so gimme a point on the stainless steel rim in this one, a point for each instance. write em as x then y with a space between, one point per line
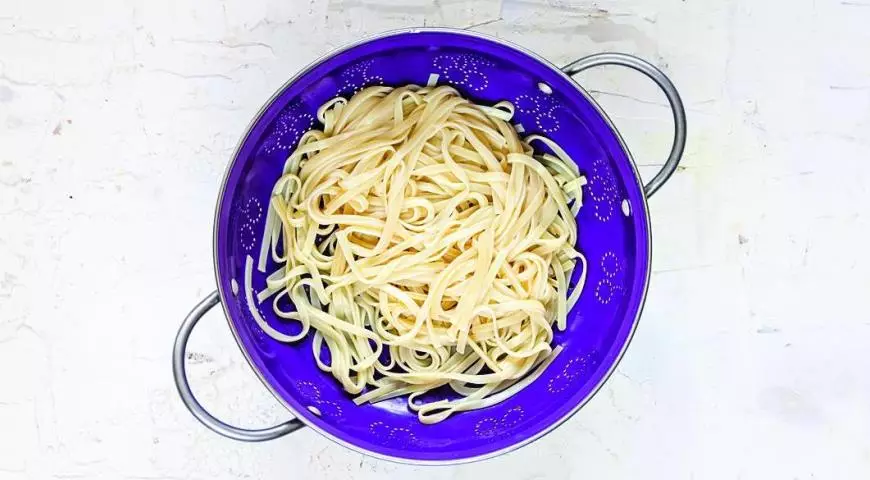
356 448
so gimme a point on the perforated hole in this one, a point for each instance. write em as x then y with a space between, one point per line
545 88
234 286
314 410
626 208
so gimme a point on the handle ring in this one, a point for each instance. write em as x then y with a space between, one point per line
665 84
207 419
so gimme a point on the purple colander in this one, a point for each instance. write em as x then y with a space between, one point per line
613 224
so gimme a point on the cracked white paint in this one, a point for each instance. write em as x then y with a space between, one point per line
117 120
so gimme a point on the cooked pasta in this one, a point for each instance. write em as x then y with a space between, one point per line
425 244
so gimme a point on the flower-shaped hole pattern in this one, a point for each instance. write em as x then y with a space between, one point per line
359 76
310 393
393 435
248 219
542 108
610 288
464 70
292 122
602 190
491 426
573 370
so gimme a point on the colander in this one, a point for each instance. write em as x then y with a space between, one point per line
613 224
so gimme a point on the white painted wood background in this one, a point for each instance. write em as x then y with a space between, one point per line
117 118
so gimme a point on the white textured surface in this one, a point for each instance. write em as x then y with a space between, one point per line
117 119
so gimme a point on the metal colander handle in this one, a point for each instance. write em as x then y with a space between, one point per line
670 92
207 419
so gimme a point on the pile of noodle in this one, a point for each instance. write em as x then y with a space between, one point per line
425 244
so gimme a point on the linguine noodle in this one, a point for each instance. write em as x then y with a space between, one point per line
424 245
